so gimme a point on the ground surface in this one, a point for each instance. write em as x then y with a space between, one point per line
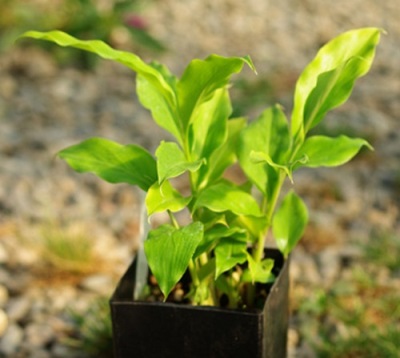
44 108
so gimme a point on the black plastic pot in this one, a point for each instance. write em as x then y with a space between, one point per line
163 330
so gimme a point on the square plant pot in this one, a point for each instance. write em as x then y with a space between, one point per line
163 329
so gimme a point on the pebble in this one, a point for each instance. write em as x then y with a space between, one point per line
329 264
3 254
303 268
18 308
39 335
40 353
11 340
293 340
99 283
62 351
3 296
3 322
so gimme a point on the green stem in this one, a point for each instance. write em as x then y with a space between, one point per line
173 220
193 273
269 211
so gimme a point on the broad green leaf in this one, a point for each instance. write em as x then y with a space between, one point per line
224 196
330 152
103 50
252 224
155 85
201 78
169 251
259 271
268 134
112 161
229 253
171 161
164 112
164 197
208 128
329 78
262 157
289 222
215 234
223 156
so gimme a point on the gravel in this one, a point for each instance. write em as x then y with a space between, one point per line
44 108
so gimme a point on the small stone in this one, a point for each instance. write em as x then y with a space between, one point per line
329 262
18 309
3 254
179 294
61 351
3 296
39 335
293 341
11 340
303 267
293 337
39 353
3 322
17 284
99 283
8 87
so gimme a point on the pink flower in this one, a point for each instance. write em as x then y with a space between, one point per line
135 21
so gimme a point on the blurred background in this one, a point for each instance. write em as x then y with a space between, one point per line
66 238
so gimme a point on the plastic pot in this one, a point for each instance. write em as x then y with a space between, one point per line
163 330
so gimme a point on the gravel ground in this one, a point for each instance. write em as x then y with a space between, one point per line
44 108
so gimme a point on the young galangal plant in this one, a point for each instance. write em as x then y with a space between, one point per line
223 245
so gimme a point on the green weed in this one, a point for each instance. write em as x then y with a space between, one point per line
68 250
92 329
384 250
358 317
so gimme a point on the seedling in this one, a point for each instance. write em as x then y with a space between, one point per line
223 246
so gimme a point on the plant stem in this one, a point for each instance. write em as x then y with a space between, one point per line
193 273
269 211
173 220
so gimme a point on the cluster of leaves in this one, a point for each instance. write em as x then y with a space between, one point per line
223 246
81 18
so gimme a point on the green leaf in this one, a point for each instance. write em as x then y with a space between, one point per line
164 197
164 114
169 251
216 233
171 161
329 78
201 78
252 224
262 157
259 271
289 222
224 196
155 85
112 162
209 124
228 253
268 134
103 50
223 156
329 152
